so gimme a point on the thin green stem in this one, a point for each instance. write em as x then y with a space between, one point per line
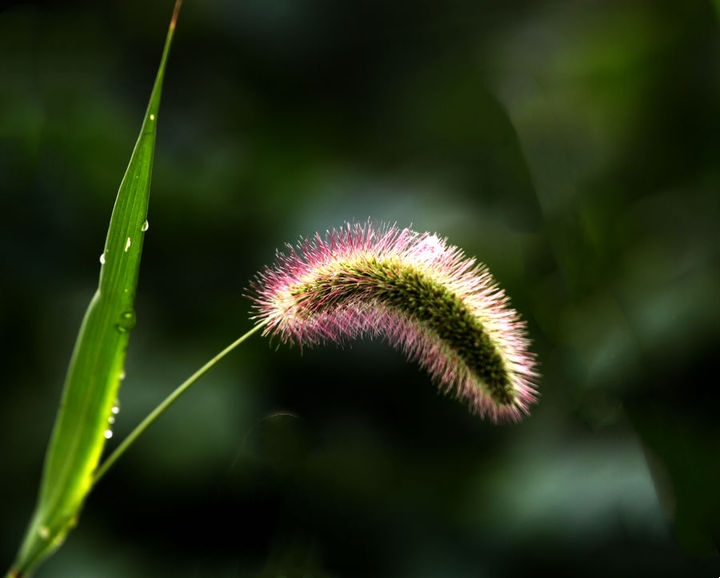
166 403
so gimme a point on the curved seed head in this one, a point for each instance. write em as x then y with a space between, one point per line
421 294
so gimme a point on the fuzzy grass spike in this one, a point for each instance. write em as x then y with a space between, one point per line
421 294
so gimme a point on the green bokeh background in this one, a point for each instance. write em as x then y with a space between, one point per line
572 147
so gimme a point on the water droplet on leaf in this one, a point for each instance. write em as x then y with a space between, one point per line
145 226
127 244
102 258
127 322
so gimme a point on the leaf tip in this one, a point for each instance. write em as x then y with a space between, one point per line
176 12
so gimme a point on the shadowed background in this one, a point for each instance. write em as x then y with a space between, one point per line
572 147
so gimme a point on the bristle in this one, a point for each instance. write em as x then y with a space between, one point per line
422 295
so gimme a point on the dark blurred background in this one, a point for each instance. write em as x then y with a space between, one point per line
574 147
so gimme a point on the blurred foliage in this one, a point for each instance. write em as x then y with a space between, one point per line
570 146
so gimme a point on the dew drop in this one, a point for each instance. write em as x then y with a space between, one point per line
111 419
44 532
126 323
145 226
116 408
59 538
152 117
127 244
102 258
122 375
108 434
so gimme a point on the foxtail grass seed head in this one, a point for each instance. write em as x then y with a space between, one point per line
421 294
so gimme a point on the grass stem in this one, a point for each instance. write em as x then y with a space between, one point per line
166 403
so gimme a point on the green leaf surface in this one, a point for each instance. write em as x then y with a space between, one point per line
96 367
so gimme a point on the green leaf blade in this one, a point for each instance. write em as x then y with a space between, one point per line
95 371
